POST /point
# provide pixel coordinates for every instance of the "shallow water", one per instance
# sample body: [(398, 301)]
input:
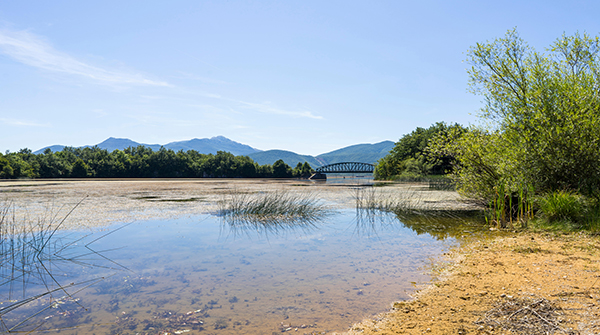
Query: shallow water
[(201, 276)]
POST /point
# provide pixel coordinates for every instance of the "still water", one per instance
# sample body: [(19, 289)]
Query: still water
[(202, 275)]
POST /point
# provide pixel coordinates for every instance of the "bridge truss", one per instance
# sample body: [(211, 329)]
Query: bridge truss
[(346, 167)]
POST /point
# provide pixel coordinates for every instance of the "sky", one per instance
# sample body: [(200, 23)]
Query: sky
[(305, 76)]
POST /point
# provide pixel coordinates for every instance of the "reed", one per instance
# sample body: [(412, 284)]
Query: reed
[(409, 201), (377, 210), (508, 208), (30, 253)]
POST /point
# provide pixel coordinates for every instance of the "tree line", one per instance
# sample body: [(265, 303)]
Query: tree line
[(140, 162)]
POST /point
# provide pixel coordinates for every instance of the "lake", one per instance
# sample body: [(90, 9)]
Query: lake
[(205, 274)]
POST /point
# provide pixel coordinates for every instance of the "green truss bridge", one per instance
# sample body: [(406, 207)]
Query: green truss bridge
[(344, 167)]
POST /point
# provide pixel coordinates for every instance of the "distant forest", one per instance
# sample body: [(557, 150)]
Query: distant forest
[(140, 162)]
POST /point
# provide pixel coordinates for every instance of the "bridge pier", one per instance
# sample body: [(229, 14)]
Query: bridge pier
[(318, 176)]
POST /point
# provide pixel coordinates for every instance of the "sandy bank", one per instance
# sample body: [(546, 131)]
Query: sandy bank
[(523, 283)]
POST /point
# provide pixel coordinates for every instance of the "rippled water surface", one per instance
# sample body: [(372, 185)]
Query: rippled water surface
[(202, 276)]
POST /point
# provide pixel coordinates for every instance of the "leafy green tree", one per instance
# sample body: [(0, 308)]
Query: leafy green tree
[(138, 162), (80, 169), (541, 117), (302, 170), (6, 171), (410, 155), (281, 169)]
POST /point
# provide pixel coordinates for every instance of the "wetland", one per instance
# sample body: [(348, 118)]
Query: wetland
[(170, 257), (174, 256)]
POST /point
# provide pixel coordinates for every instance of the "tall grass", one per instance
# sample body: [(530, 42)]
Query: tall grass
[(562, 206), (271, 211), (567, 210), (507, 209)]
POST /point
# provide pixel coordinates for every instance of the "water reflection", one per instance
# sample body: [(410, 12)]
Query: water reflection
[(444, 224), (249, 226), (440, 224)]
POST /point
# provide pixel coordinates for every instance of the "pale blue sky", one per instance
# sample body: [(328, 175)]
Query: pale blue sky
[(306, 76)]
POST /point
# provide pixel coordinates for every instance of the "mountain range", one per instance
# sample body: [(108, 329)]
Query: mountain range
[(365, 153)]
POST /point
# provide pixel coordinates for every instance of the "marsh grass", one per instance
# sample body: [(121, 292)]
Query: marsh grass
[(271, 211), (34, 258), (567, 211), (509, 209), (561, 206), (376, 209)]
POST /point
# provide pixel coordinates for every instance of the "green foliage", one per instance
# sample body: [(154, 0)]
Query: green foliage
[(540, 129), (290, 158), (138, 162), (302, 170), (281, 170), (562, 206), (80, 169), (543, 114), (411, 156)]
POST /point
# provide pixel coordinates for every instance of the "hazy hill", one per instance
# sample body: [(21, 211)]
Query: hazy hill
[(203, 145), (212, 145), (111, 144), (54, 148), (290, 158), (364, 153)]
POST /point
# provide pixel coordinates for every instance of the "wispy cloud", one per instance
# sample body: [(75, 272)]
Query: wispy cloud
[(267, 108), (185, 75), (21, 123), (33, 50)]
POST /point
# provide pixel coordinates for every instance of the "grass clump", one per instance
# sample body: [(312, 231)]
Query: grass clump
[(271, 211), (561, 206), (567, 211)]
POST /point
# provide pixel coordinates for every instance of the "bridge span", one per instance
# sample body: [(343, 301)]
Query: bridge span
[(344, 167)]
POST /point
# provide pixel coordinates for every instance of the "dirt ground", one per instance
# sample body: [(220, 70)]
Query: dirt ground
[(532, 283)]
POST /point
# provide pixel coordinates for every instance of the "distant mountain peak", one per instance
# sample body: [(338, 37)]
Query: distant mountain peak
[(202, 145), (365, 153)]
